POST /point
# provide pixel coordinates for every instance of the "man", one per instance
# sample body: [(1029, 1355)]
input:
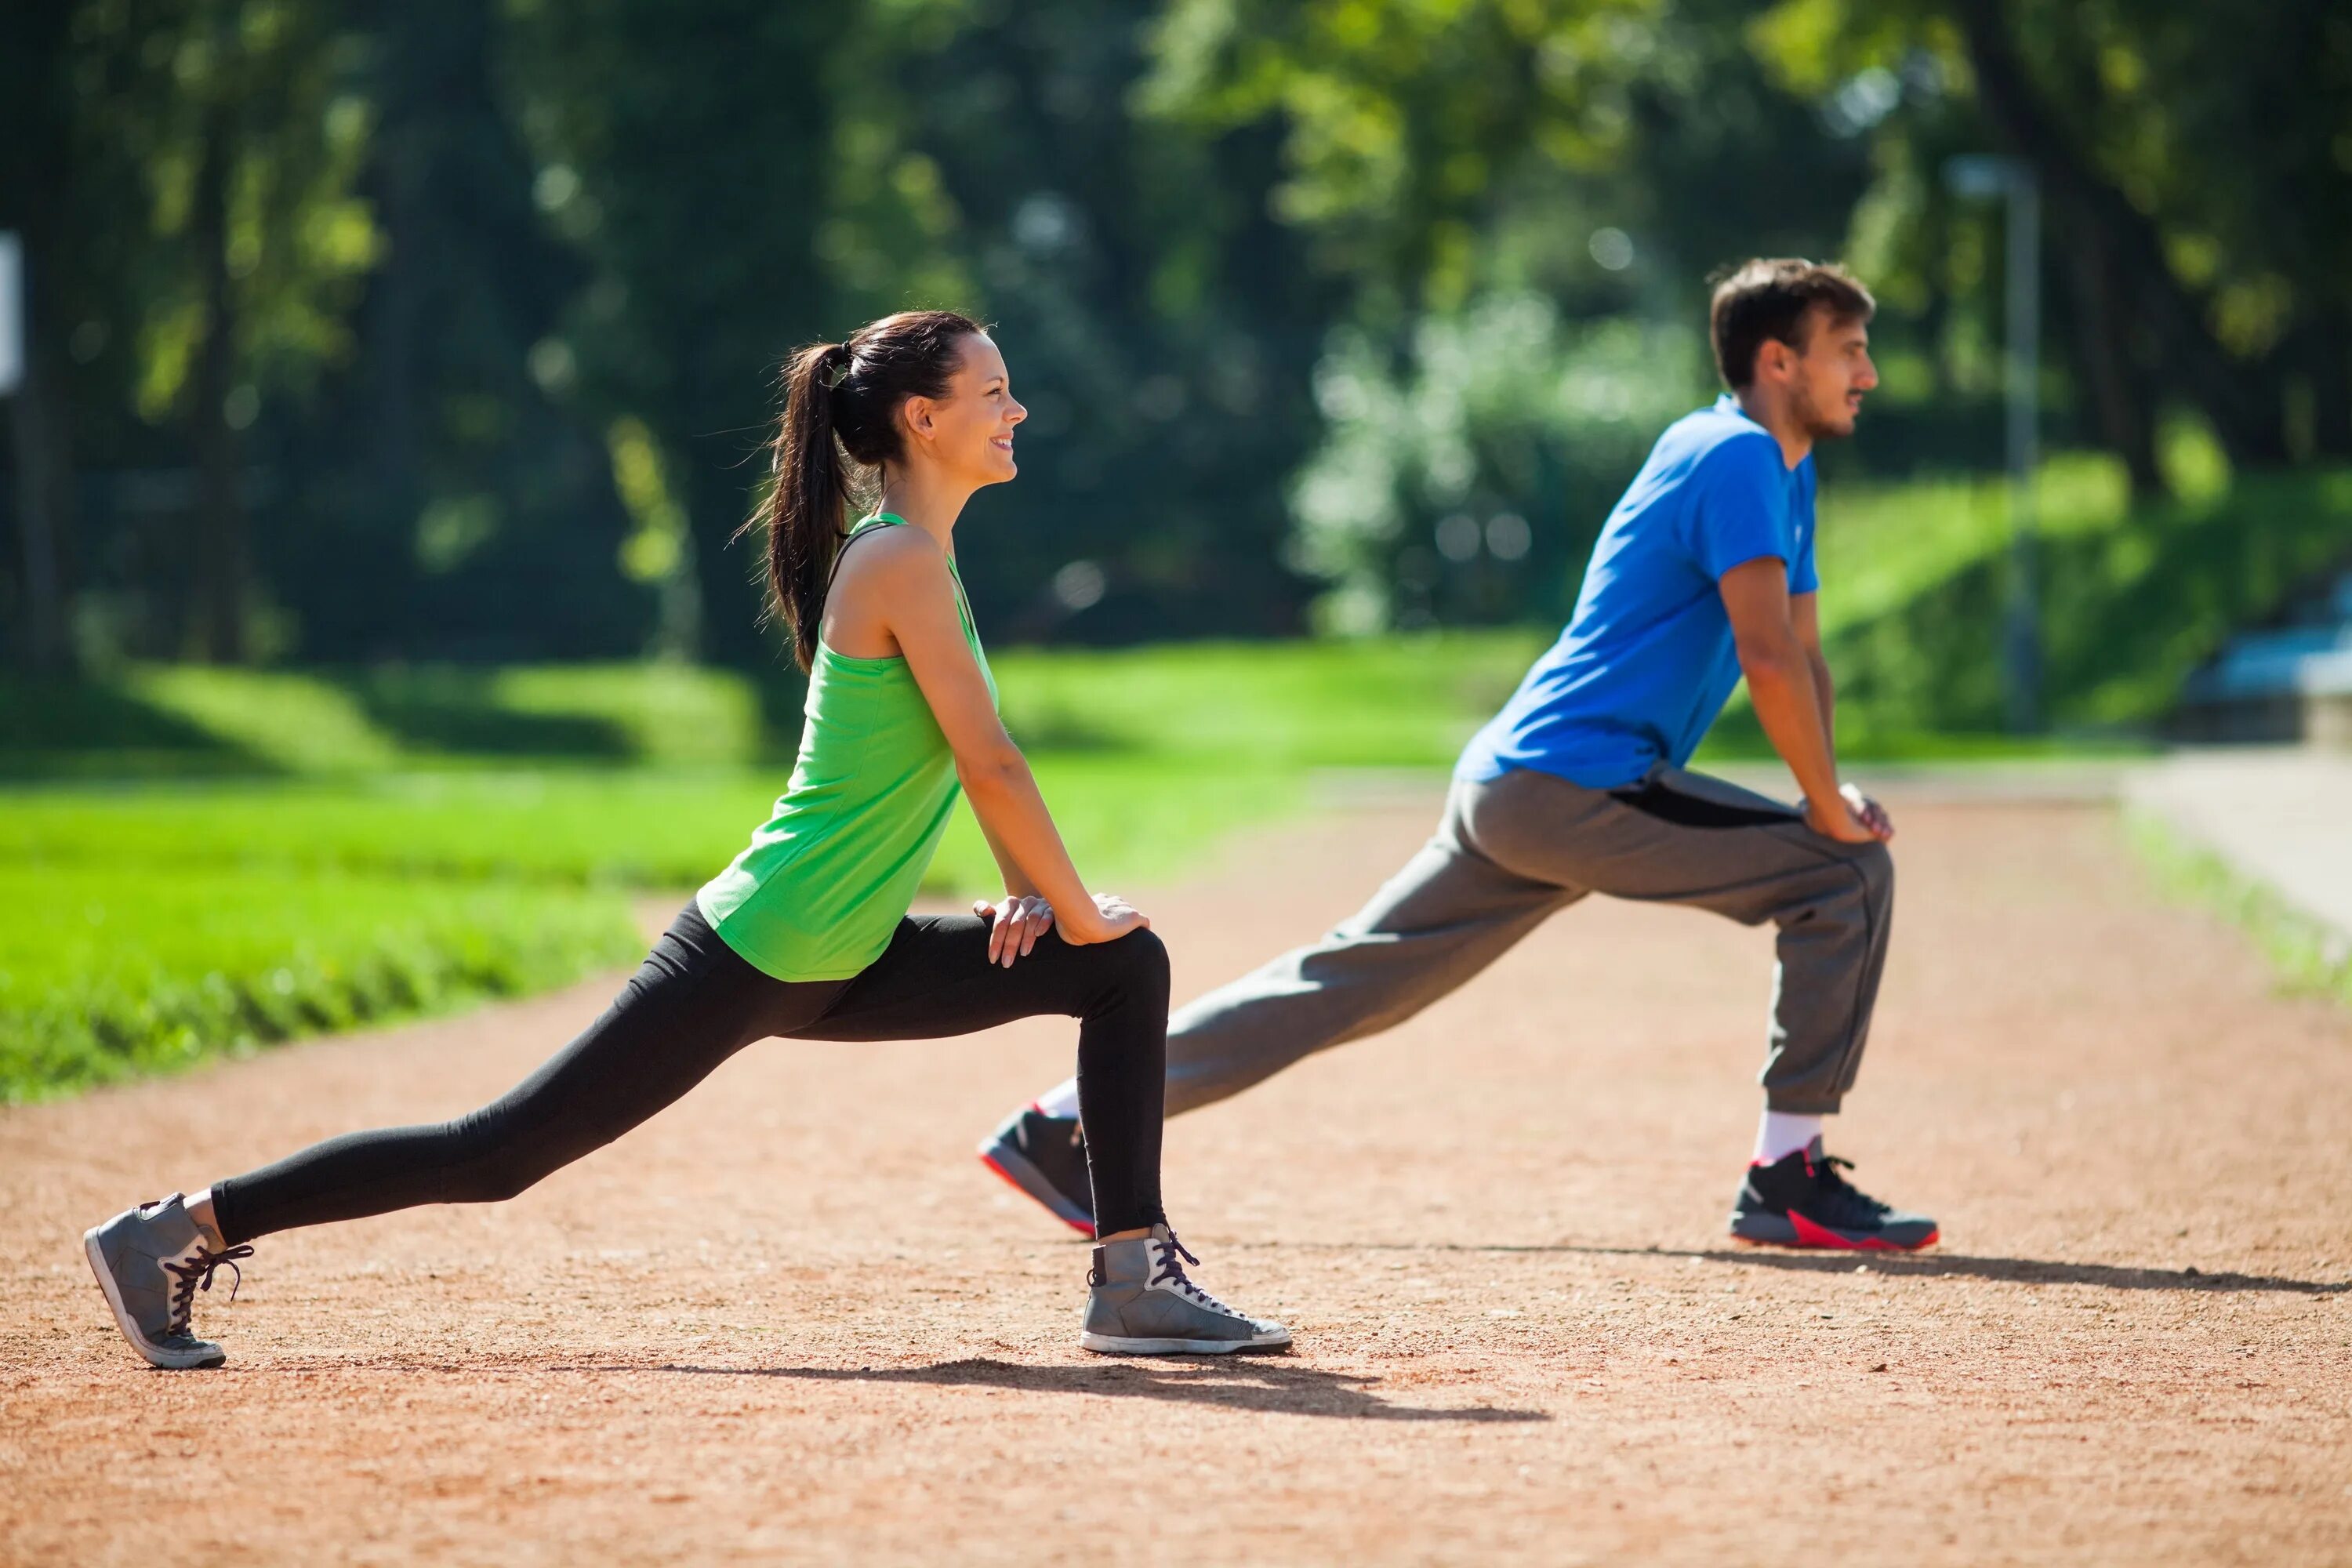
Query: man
[(1704, 574)]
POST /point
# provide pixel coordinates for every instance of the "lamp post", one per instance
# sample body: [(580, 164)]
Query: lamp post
[(1979, 175), (12, 313)]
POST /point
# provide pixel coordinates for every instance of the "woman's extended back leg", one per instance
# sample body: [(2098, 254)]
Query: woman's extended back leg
[(691, 1004)]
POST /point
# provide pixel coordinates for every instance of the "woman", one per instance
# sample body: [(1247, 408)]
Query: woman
[(807, 935)]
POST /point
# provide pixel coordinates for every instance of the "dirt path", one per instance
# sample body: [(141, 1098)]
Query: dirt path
[(793, 1320)]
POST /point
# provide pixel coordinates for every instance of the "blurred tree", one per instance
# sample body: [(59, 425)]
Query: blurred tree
[(1159, 321), (2198, 165), (452, 327), (37, 132), (1404, 123), (682, 150), (1477, 171), (936, 154), (238, 114), (1466, 484), (472, 510)]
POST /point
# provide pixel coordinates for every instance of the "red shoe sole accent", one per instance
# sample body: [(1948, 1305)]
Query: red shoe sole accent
[(1006, 1177), (1811, 1235)]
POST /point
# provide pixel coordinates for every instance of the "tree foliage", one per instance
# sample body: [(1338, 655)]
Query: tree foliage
[(444, 330)]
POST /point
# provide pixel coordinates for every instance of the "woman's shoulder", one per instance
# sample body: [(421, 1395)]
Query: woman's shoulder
[(893, 551)]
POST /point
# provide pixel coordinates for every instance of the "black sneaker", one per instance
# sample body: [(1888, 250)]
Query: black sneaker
[(1800, 1200), (1046, 1156)]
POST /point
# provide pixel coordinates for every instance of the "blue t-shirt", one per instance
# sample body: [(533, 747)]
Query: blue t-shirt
[(1648, 661)]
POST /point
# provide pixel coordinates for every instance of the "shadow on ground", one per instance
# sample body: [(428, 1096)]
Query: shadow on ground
[(1894, 1264), (1254, 1383), (2033, 1271)]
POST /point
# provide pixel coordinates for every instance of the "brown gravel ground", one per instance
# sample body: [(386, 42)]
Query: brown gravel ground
[(793, 1320)]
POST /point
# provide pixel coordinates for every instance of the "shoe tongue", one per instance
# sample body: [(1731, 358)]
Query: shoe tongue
[(1814, 1152), (172, 1226)]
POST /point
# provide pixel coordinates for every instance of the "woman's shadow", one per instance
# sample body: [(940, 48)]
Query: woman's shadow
[(1236, 1383)]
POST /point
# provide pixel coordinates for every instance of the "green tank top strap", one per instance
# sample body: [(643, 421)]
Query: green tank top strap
[(873, 521), (859, 530)]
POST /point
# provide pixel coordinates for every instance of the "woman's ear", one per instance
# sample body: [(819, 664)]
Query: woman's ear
[(920, 417)]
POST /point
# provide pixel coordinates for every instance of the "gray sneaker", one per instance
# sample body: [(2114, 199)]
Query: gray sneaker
[(151, 1261), (1142, 1304)]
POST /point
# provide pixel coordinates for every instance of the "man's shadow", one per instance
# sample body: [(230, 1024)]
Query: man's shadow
[(1934, 1265), (1236, 1383), (2030, 1271)]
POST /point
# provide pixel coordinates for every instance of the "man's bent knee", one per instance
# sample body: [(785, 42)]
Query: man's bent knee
[(1876, 864)]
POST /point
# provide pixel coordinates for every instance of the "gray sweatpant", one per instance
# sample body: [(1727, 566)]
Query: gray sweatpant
[(1510, 852)]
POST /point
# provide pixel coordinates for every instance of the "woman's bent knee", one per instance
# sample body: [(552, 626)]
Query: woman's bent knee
[(1136, 963), (1143, 953)]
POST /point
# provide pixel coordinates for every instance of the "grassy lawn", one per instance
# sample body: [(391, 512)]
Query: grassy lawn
[(217, 859), (2132, 599), (107, 971), (2308, 957)]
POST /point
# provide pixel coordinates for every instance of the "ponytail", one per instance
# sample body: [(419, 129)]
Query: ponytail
[(808, 501), (841, 407)]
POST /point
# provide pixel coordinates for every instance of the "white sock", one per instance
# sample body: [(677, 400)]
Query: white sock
[(1780, 1135), (1061, 1102)]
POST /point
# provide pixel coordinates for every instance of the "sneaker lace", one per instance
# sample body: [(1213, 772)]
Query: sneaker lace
[(196, 1272), (1835, 1189), (1171, 1273)]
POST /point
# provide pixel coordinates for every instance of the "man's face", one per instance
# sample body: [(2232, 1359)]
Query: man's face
[(1830, 372)]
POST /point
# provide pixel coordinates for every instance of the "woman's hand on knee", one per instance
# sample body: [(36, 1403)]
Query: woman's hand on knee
[(1111, 917), (1019, 921)]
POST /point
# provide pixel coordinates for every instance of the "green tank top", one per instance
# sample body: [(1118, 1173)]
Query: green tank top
[(823, 885)]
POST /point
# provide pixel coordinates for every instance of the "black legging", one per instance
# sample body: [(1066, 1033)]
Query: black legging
[(692, 1004)]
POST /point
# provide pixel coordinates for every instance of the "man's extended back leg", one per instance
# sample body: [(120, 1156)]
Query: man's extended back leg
[(1447, 915)]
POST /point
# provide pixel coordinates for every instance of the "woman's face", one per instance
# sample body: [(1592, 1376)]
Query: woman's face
[(969, 432)]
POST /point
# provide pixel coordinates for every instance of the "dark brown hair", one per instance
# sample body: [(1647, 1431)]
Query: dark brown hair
[(840, 425), (1768, 298)]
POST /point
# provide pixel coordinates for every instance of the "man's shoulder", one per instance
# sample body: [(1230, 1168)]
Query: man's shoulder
[(1717, 436), (1699, 455)]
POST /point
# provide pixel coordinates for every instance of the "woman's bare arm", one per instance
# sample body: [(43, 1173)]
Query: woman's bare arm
[(905, 577)]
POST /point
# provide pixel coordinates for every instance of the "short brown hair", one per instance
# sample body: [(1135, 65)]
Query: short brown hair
[(1767, 298)]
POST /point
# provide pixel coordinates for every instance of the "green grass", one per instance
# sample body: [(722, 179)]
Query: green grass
[(2132, 599), (1145, 756), (145, 928), (107, 973), (1402, 701), (168, 720), (2309, 957), (1125, 816), (613, 828)]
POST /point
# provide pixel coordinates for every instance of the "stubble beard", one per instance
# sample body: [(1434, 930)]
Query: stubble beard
[(1818, 424)]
